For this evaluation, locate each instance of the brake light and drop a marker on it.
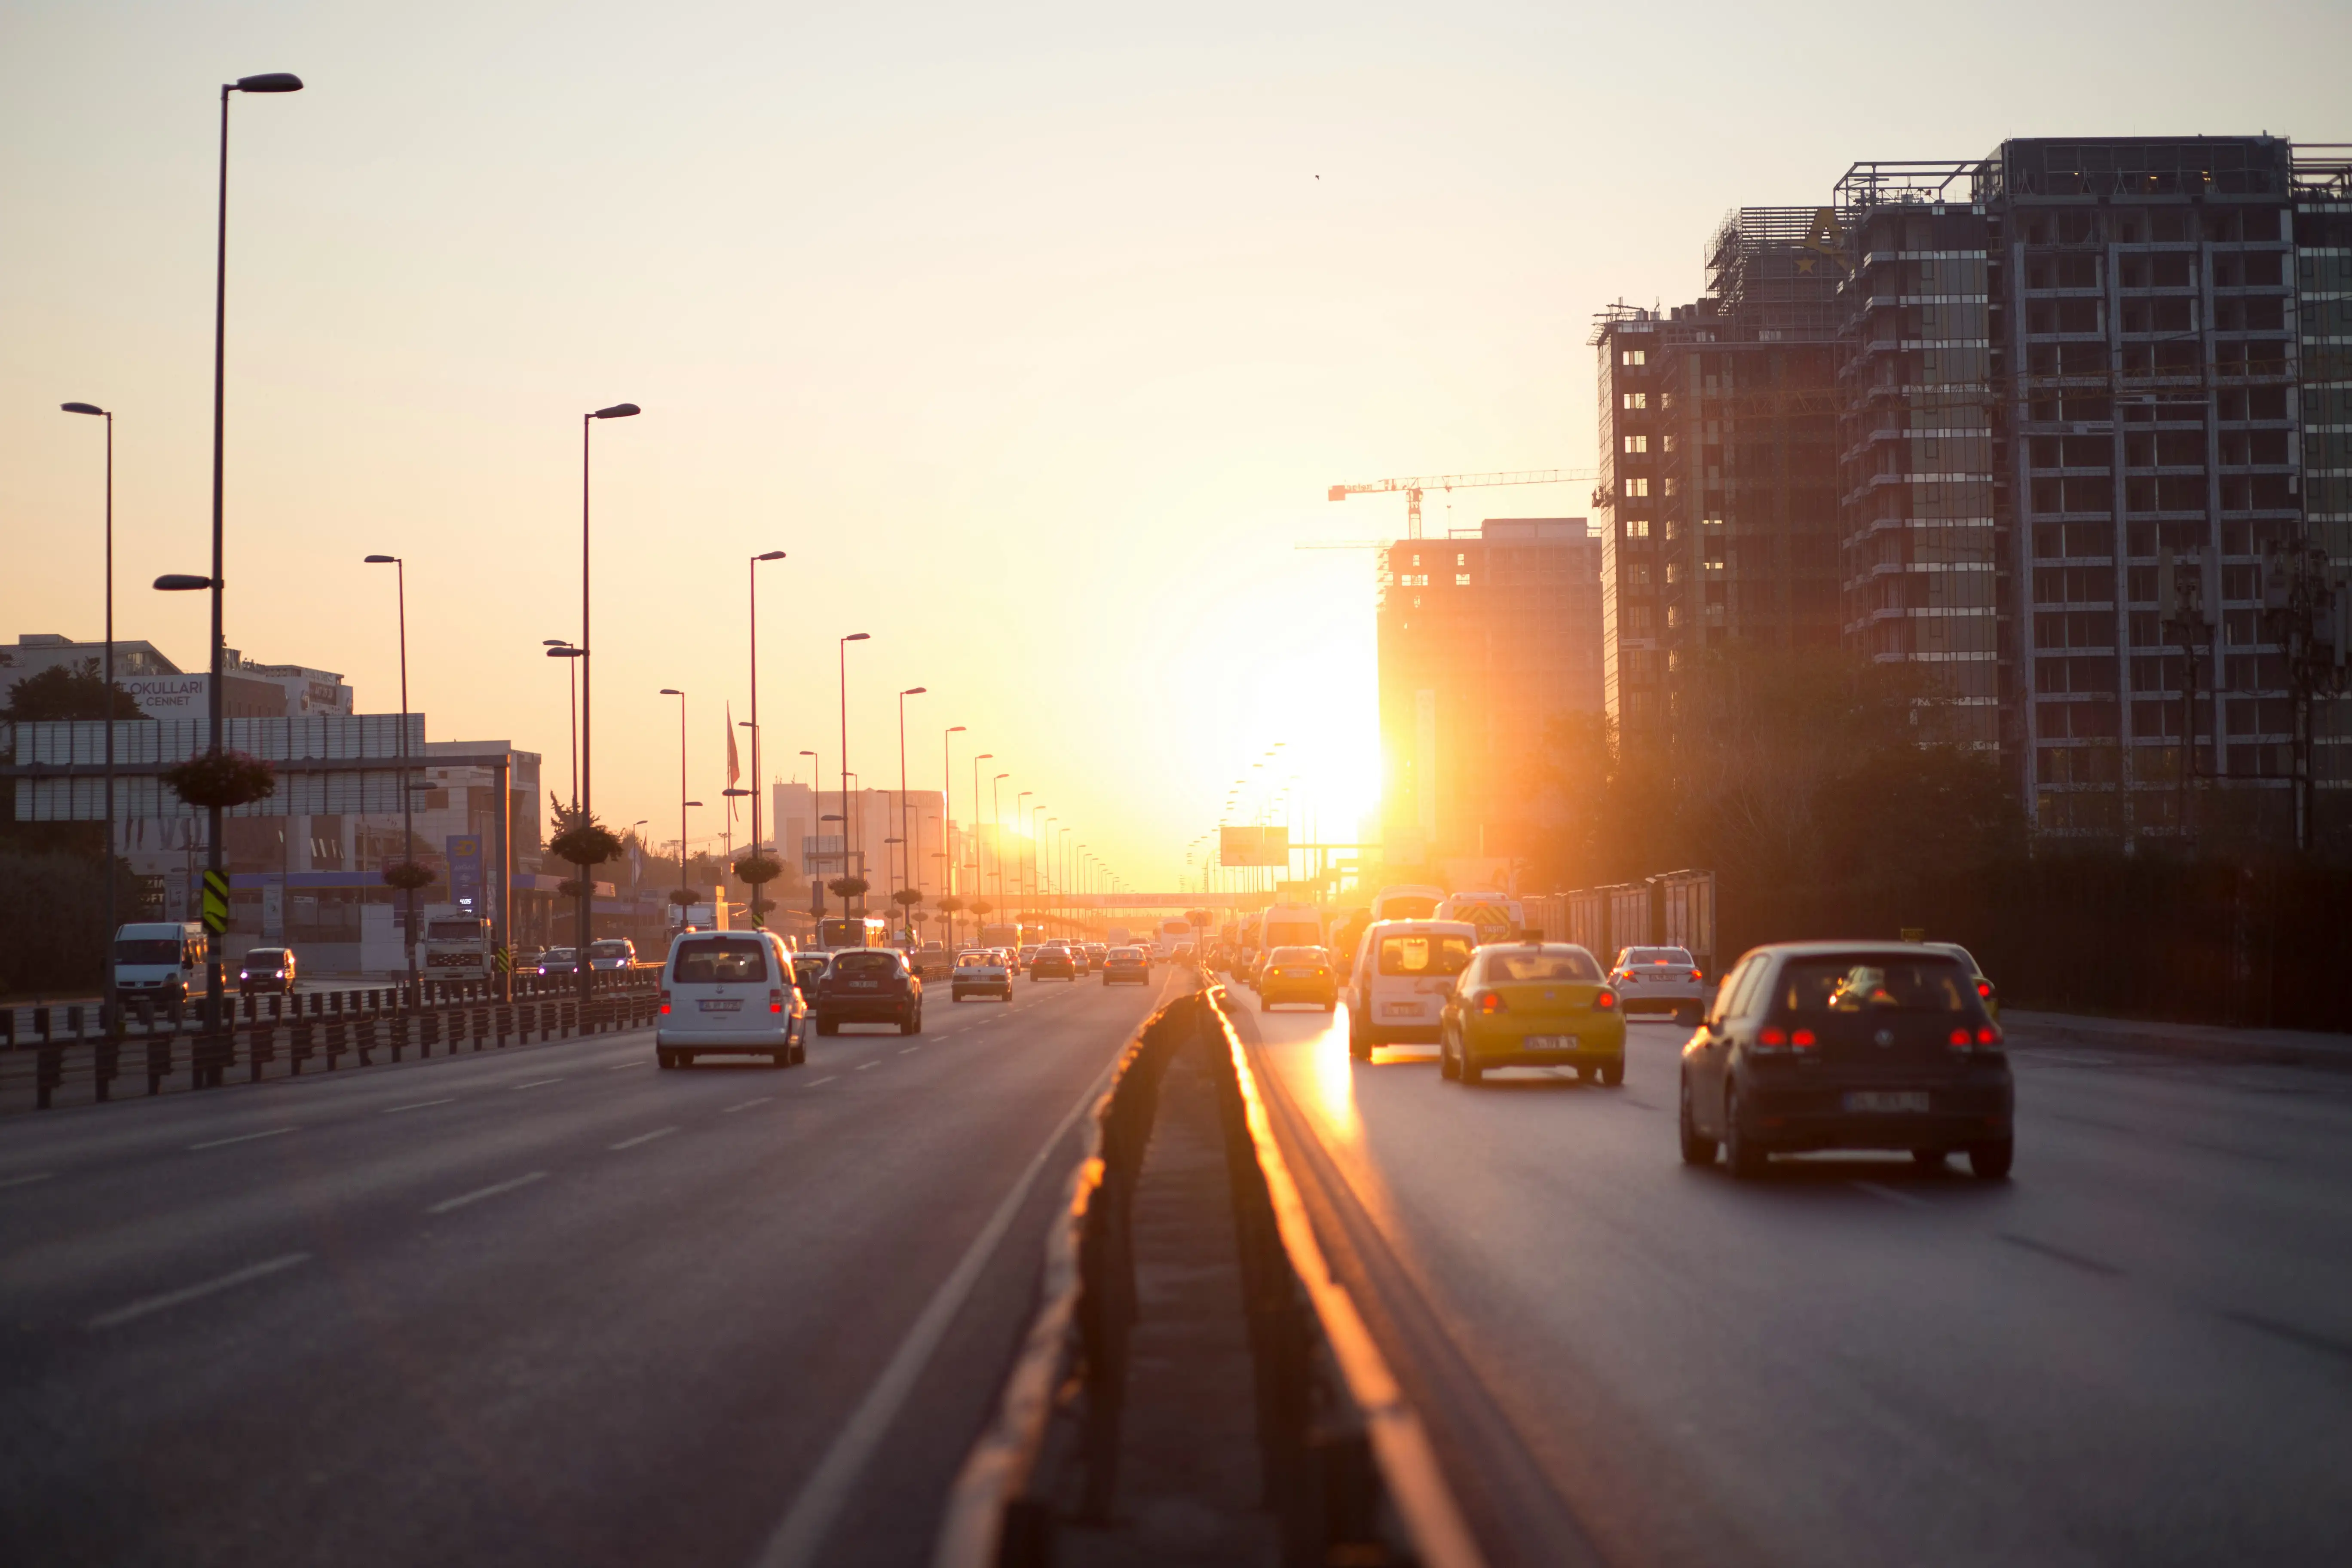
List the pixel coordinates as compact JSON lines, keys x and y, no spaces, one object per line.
{"x":775,"y":1001}
{"x":1695,"y":977}
{"x":1772,"y":1037}
{"x":1984,"y":988}
{"x":665,"y":1001}
{"x":1604,"y":1000}
{"x":1804,"y":1040}
{"x":1960,"y":1040}
{"x":1988,"y":1036}
{"x":1491,"y":1003}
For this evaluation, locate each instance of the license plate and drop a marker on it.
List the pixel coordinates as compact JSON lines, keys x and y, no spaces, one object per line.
{"x":722,"y":1004}
{"x":863,"y":984}
{"x":1400,"y":1009}
{"x":1548,"y":1042}
{"x":1886,"y":1100}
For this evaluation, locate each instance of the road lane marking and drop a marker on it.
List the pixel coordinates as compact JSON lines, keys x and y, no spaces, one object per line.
{"x":478,"y":1193}
{"x":911,"y":1050}
{"x":641,"y":1138}
{"x":827,"y":1079}
{"x":537,"y":1081}
{"x":802,"y":1531}
{"x":122,"y":1315}
{"x":27,"y":1181}
{"x":748,"y":1104}
{"x":625,"y":1067}
{"x":863,"y":1065}
{"x":241,"y":1138}
{"x":1892,"y":1195}
{"x":396,"y":1109}
{"x":2062,"y":1254}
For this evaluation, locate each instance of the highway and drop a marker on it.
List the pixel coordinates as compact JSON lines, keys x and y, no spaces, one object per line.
{"x":548,"y":1305}
{"x":2138,"y":1350}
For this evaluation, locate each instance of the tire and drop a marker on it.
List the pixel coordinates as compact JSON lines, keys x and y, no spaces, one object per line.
{"x":1330,"y":1006}
{"x":1470,"y":1072}
{"x":1357,"y":1046}
{"x":1613,"y":1074}
{"x":662,"y":1057}
{"x":681,"y":1060}
{"x":1991,"y":1161}
{"x":800,"y":1053}
{"x":1445,"y":1067}
{"x":1696,"y":1150}
{"x":783,"y":1058}
{"x":828,"y":1027}
{"x":911,"y":1025}
{"x":1930,"y":1159}
{"x":1747,"y":1161}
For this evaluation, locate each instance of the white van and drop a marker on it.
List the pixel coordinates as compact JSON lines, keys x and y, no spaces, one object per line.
{"x":160,"y":961}
{"x":729,"y":994}
{"x":1396,"y":992}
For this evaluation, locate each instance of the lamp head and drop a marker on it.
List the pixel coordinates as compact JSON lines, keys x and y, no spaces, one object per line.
{"x":382,"y":561}
{"x":856,"y":637}
{"x":181,"y":583}
{"x":567,"y":651}
{"x":618,"y":411}
{"x":553,"y":642}
{"x":671,"y":691}
{"x":269,"y":81}
{"x":771,"y":555}
{"x":955,"y":729}
{"x":689,"y":803}
{"x":914,"y":692}
{"x":82,"y":408}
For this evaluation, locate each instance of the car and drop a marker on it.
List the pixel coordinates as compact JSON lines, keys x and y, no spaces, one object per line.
{"x":979,"y":974}
{"x":1079,"y":960}
{"x":808,"y":968}
{"x":1183,"y":953}
{"x":267,"y":969}
{"x":1396,"y":989}
{"x":1122,"y":964}
{"x":560,"y":961}
{"x":1025,"y":956}
{"x":1532,"y":1005}
{"x":869,"y":985}
{"x":1659,"y":980}
{"x":613,"y":952}
{"x":1298,"y":975}
{"x":1096,"y":953}
{"x":1987,"y":992}
{"x":1848,"y":1044}
{"x":729,"y":994}
{"x":1052,"y":960}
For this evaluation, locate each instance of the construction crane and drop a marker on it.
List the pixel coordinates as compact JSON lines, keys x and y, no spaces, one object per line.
{"x":1413,"y":488}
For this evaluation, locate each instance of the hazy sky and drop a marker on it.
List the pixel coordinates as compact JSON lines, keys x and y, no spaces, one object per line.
{"x":1029,"y":332}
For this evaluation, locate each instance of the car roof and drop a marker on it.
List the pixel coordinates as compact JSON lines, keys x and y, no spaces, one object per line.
{"x":1835,"y":949}
{"x":1412,"y":927}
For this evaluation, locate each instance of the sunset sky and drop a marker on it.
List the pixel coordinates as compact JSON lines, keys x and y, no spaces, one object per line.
{"x":1034,"y":334}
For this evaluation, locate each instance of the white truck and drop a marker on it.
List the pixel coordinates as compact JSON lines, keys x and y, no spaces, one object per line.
{"x":160,"y":961}
{"x":1498,"y":916}
{"x":456,"y":947}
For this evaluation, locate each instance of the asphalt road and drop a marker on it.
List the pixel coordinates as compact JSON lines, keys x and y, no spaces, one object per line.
{"x":546,"y":1306}
{"x":2137,"y":1350}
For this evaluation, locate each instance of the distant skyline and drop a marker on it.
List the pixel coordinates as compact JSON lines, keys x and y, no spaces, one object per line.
{"x":1034,"y":334}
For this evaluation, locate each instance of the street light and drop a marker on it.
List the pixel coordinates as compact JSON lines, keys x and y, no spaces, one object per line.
{"x":906,"y":861}
{"x":559,"y":648}
{"x":407,"y":817}
{"x":816,"y":792}
{"x":682,"y":802}
{"x":947,"y":820}
{"x":842,"y":650}
{"x":996,"y":798}
{"x":587,"y":703}
{"x":752,"y":571}
{"x":106,"y":857}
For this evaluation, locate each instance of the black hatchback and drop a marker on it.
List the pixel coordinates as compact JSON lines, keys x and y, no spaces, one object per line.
{"x":1846,"y":1044}
{"x":1054,"y":961}
{"x":869,"y":985}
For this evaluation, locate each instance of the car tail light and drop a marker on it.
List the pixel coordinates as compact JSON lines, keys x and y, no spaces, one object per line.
{"x":1961,"y":1039}
{"x":1984,"y":988}
{"x":1771,"y":1038}
{"x":1695,"y":977}
{"x":1988,"y":1036}
{"x":1805,"y":1040}
{"x":775,"y":1001}
{"x":665,"y":1001}
{"x":1604,"y":999}
{"x":1491,"y":1003}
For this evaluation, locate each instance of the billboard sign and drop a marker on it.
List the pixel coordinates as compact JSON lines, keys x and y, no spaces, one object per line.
{"x":465,"y":852}
{"x":1254,"y":847}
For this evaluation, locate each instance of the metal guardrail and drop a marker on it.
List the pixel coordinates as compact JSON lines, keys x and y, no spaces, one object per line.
{"x":1347,"y":1472}
{"x":63,"y":1046}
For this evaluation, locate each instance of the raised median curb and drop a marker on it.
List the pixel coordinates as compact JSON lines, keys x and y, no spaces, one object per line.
{"x":2187,"y":1042}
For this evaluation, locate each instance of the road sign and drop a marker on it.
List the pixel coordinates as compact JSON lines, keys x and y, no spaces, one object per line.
{"x":1254,"y":847}
{"x":217,"y":902}
{"x":503,"y":959}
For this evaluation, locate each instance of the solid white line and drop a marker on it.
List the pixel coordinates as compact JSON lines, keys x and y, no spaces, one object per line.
{"x":863,"y":1065}
{"x":805,"y":1524}
{"x":1892,"y":1195}
{"x":478,"y":1193}
{"x":911,"y":1050}
{"x":396,"y":1109}
{"x":537,"y":1081}
{"x":827,"y":1079}
{"x":641,"y":1138}
{"x":748,"y":1104}
{"x":27,"y":1181}
{"x":242,"y":1138}
{"x":626,"y":1066}
{"x":172,"y":1299}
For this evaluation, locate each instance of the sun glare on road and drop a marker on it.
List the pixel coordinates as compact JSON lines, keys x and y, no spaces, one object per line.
{"x":1334,"y":1079}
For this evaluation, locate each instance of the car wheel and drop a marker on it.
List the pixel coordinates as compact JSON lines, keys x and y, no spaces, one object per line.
{"x":1930,"y":1159}
{"x":1696,"y":1150}
{"x":783,"y":1058}
{"x":681,"y":1059}
{"x":1471,"y":1073}
{"x":662,"y":1057}
{"x":799,"y":1052}
{"x":1747,"y":1161}
{"x":828,"y":1025}
{"x":1991,"y":1161}
{"x":1445,"y":1067}
{"x":912,"y":1023}
{"x":1613,"y":1074}
{"x":1357,"y":1046}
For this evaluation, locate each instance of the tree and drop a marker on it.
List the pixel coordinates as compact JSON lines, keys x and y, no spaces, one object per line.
{"x":579,"y":838}
{"x":65,"y":691}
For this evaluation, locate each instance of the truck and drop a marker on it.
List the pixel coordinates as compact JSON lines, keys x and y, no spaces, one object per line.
{"x":855,"y":931}
{"x":456,"y":947}
{"x":1012,"y":938}
{"x":1498,"y":916}
{"x":160,"y":961}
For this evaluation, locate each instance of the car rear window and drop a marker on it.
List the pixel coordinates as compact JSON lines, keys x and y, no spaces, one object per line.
{"x":1298,"y":955}
{"x":1658,"y":955}
{"x":715,"y":960}
{"x":1124,"y":952}
{"x":1571,"y":964}
{"x":1867,"y":983}
{"x":1433,"y":953}
{"x":866,"y":963}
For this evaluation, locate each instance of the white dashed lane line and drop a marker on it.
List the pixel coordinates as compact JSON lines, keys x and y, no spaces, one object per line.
{"x":478,"y":1193}
{"x":827,"y":1079}
{"x":27,"y":1181}
{"x":537,"y":1081}
{"x":748,"y":1104}
{"x":623,"y":1067}
{"x":419,"y":1105}
{"x":863,"y":1066}
{"x":122,"y":1315}
{"x":1892,"y":1195}
{"x":241,"y":1138}
{"x":641,"y":1138}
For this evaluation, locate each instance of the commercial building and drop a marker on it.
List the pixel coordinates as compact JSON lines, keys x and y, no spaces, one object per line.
{"x":1486,"y":639}
{"x":2064,"y":428}
{"x":821,"y":842}
{"x":250,"y":689}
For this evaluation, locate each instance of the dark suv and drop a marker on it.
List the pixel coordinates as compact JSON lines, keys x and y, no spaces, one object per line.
{"x":1848,"y":1044}
{"x":869,"y":985}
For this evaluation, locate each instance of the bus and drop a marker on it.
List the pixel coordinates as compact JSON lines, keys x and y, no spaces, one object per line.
{"x":1167,"y":934}
{"x":858,"y":930}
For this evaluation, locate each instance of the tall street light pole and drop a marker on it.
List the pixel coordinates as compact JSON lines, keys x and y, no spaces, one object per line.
{"x":407,"y":796}
{"x":906,"y":857}
{"x":753,"y":571}
{"x":682,"y":802}
{"x":946,"y":819}
{"x":106,"y":855}
{"x":1021,"y":865}
{"x":816,"y":794}
{"x":216,"y":861}
{"x":587,"y":699}
{"x":996,"y":798}
{"x":557,"y":648}
{"x":842,"y":652}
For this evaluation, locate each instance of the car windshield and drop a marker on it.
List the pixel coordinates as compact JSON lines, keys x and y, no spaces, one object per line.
{"x":1571,"y":964}
{"x":146,"y":949}
{"x":553,"y":953}
{"x":867,"y":962}
{"x":1431,"y":953}
{"x":1874,"y":982}
{"x":715,"y":960}
{"x":1297,"y":955}
{"x":265,"y":958}
{"x":1658,"y":955}
{"x":453,"y":930}
{"x":604,"y":949}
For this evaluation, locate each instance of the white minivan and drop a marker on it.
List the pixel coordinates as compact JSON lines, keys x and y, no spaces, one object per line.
{"x":1396,"y":992}
{"x":729,"y":994}
{"x":160,"y":961}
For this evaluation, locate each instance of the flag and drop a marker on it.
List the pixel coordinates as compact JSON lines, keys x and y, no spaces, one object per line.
{"x":734,"y":767}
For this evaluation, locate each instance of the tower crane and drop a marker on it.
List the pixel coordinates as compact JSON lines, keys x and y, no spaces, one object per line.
{"x":1413,"y":488}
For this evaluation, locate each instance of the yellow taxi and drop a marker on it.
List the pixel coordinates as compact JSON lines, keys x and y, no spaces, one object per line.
{"x":1532,"y":1005}
{"x":1298,"y":975}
